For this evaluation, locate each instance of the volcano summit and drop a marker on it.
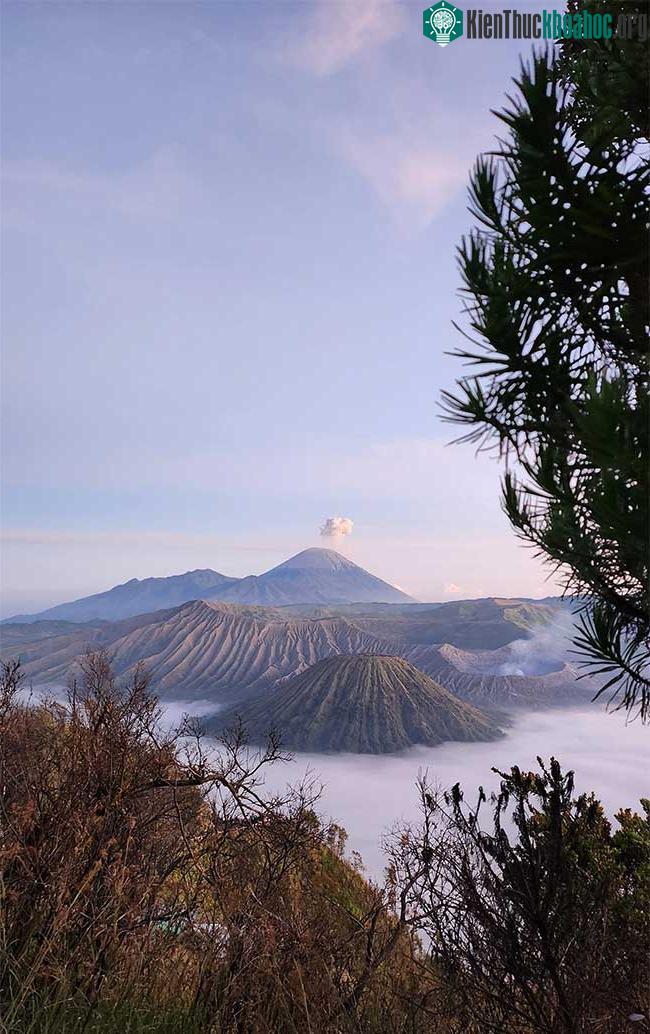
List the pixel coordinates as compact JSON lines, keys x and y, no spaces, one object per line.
{"x":314,"y":576}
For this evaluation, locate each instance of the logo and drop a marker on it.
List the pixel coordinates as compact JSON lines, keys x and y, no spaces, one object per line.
{"x":442,"y":23}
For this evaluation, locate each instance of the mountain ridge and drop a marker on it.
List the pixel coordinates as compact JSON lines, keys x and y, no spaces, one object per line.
{"x":221,"y":651}
{"x":312,"y":576}
{"x":136,"y":596}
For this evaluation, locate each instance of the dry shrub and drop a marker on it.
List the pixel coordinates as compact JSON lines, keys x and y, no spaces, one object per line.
{"x":151,"y":885}
{"x":142,"y":872}
{"x":539,"y":919}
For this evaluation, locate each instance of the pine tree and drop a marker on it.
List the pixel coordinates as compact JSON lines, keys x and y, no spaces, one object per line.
{"x":555,"y":277}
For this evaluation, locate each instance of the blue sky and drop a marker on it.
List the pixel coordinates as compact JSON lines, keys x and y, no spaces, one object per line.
{"x":228,"y":286}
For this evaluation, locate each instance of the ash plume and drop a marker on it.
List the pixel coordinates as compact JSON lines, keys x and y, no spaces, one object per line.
{"x":336,"y":527}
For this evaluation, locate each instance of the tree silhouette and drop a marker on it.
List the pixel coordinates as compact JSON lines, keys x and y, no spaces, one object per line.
{"x":555,"y":277}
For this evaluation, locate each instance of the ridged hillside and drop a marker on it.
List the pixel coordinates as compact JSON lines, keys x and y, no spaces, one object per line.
{"x":224,"y":652}
{"x":362,"y":704}
{"x":211,"y":650}
{"x":450,"y":666}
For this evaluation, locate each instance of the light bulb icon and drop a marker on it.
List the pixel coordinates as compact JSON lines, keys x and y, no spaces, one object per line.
{"x":443,"y":22}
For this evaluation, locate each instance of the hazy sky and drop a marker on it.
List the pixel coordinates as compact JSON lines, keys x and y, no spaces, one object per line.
{"x":228,"y":286}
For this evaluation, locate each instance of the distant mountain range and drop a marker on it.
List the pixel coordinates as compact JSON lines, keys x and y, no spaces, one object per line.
{"x":363,"y":704}
{"x":225,"y":652}
{"x":314,"y":576}
{"x":138,"y":596}
{"x":332,"y":655}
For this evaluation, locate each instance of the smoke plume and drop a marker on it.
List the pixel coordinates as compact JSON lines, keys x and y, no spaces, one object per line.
{"x":549,"y":646}
{"x":336,"y":527}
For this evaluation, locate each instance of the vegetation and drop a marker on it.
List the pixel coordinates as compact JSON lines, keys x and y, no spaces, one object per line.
{"x":541,"y":922}
{"x":149,"y":885}
{"x":556,"y":280}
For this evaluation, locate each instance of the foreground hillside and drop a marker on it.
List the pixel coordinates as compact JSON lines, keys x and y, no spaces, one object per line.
{"x":169,"y":908}
{"x":364,"y":704}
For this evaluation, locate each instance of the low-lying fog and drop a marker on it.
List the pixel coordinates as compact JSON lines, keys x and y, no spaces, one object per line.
{"x":367,"y":794}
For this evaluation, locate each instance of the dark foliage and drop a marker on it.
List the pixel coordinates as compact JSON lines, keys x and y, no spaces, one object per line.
{"x":556,"y":280}
{"x":540,"y":923}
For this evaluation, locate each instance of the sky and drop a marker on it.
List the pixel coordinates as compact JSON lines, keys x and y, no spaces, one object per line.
{"x":228,"y":287}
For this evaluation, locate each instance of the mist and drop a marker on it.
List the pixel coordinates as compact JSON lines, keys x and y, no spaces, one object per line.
{"x":370,"y":794}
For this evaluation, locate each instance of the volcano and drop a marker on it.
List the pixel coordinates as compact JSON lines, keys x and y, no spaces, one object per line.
{"x":364,"y":704}
{"x":314,"y":576}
